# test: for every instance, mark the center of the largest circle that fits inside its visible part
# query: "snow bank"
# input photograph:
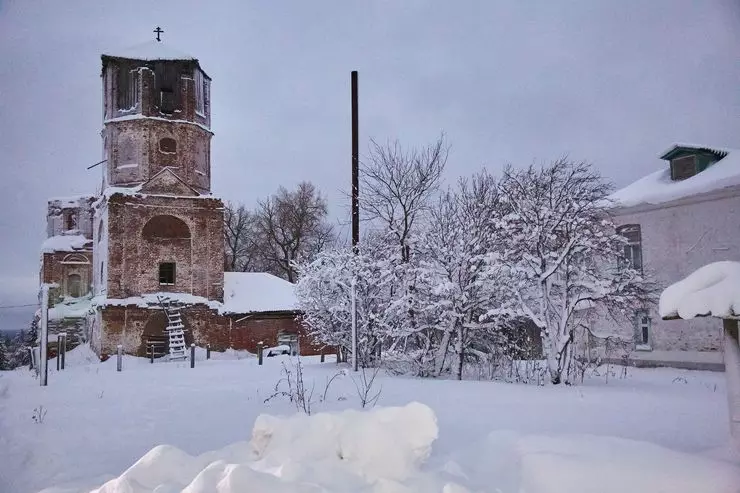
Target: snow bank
(376, 450)
(658, 187)
(382, 451)
(65, 243)
(713, 290)
(509, 462)
(248, 292)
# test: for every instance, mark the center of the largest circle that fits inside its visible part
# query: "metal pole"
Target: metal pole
(151, 355)
(354, 325)
(208, 351)
(43, 363)
(260, 347)
(64, 349)
(192, 355)
(731, 352)
(59, 351)
(119, 357)
(355, 165)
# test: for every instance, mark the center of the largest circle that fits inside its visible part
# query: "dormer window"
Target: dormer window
(688, 160)
(683, 167)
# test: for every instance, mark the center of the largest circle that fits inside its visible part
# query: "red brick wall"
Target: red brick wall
(133, 261)
(140, 138)
(53, 270)
(125, 326)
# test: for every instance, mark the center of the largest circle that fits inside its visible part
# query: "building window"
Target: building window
(74, 285)
(168, 145)
(633, 247)
(200, 92)
(128, 88)
(167, 273)
(70, 221)
(683, 167)
(642, 330)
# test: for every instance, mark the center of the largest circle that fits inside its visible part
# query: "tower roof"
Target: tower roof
(150, 50)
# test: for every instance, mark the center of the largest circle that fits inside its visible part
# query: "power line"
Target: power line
(17, 306)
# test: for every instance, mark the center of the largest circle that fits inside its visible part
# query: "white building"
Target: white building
(676, 220)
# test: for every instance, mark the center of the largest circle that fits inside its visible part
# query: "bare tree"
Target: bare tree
(291, 225)
(240, 237)
(397, 185)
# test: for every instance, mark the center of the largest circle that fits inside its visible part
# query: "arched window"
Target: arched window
(70, 220)
(74, 285)
(168, 227)
(100, 231)
(168, 145)
(75, 258)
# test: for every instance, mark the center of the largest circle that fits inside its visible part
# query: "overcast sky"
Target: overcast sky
(508, 82)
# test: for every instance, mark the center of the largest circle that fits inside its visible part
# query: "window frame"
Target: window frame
(199, 80)
(643, 329)
(162, 275)
(127, 98)
(674, 163)
(77, 281)
(632, 246)
(163, 151)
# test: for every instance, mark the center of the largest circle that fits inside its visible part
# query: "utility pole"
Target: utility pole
(355, 166)
(355, 207)
(43, 362)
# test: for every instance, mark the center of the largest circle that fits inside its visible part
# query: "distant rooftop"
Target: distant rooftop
(658, 187)
(150, 50)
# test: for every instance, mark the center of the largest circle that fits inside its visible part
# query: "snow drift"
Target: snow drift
(712, 290)
(348, 451)
(385, 450)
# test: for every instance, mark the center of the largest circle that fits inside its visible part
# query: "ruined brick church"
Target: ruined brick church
(155, 231)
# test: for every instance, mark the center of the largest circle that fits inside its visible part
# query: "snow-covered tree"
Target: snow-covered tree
(461, 277)
(563, 253)
(324, 292)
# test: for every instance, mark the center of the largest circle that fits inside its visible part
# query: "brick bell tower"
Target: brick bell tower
(157, 228)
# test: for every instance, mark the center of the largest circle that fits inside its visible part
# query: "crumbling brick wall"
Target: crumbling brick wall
(133, 260)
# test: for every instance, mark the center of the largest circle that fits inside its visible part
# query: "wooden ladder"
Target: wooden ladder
(175, 329)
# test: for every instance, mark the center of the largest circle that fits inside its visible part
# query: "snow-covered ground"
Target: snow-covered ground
(656, 430)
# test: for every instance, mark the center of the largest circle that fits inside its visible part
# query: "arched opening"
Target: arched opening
(165, 227)
(75, 258)
(74, 285)
(168, 145)
(155, 333)
(100, 231)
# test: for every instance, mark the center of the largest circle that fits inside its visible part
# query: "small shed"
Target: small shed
(713, 291)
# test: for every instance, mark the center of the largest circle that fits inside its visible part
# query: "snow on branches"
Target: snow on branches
(486, 258)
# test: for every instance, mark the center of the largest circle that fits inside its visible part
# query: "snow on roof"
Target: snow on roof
(244, 292)
(249, 292)
(71, 201)
(657, 188)
(65, 243)
(699, 147)
(108, 192)
(150, 50)
(152, 299)
(712, 290)
(70, 308)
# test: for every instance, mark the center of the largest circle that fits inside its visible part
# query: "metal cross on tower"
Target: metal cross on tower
(158, 31)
